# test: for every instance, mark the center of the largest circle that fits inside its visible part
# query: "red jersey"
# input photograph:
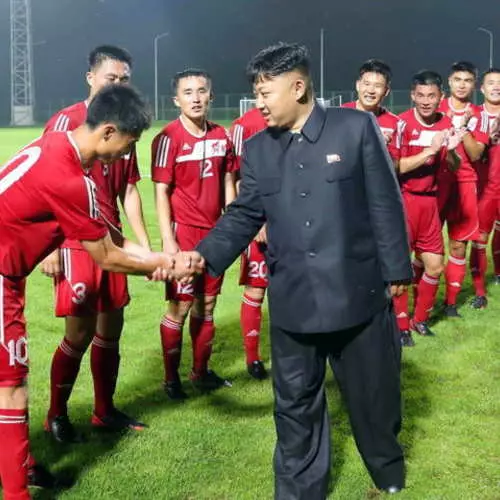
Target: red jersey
(245, 127)
(111, 179)
(491, 160)
(195, 168)
(414, 137)
(477, 126)
(389, 125)
(45, 196)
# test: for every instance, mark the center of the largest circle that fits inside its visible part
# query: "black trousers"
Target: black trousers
(366, 361)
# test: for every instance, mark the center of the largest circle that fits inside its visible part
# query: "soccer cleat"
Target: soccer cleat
(451, 311)
(407, 339)
(479, 302)
(257, 370)
(496, 279)
(208, 382)
(40, 477)
(175, 391)
(422, 328)
(117, 421)
(62, 430)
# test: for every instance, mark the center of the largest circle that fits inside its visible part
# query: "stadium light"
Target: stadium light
(490, 34)
(156, 40)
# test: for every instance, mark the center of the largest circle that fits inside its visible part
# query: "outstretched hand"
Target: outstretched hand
(183, 267)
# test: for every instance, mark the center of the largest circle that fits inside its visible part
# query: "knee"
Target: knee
(434, 269)
(14, 398)
(458, 249)
(204, 306)
(177, 311)
(255, 293)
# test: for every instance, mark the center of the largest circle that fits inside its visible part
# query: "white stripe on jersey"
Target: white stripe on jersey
(238, 139)
(399, 135)
(484, 122)
(162, 152)
(91, 192)
(2, 332)
(62, 123)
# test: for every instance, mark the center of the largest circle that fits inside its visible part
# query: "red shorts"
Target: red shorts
(84, 289)
(424, 225)
(458, 206)
(253, 269)
(13, 336)
(489, 212)
(187, 238)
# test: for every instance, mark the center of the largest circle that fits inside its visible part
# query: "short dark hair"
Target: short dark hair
(489, 72)
(427, 77)
(376, 66)
(189, 72)
(121, 105)
(103, 52)
(466, 66)
(278, 59)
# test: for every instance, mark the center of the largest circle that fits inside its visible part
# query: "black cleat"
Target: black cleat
(407, 339)
(496, 279)
(208, 382)
(479, 302)
(175, 391)
(422, 328)
(117, 421)
(451, 311)
(62, 430)
(257, 370)
(40, 477)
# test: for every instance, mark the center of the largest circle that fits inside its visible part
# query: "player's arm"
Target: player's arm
(410, 163)
(453, 139)
(164, 213)
(475, 136)
(132, 206)
(51, 265)
(229, 187)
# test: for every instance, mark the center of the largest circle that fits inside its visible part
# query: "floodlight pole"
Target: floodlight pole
(322, 62)
(490, 34)
(156, 40)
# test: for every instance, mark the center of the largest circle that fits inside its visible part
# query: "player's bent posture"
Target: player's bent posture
(45, 197)
(193, 171)
(457, 191)
(428, 143)
(373, 86)
(92, 300)
(489, 188)
(253, 273)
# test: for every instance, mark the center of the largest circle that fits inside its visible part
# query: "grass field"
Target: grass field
(220, 447)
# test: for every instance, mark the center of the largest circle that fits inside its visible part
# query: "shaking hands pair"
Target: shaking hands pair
(182, 266)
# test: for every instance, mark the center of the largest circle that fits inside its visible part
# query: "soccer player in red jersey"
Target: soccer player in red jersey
(457, 191)
(253, 274)
(92, 300)
(489, 187)
(46, 196)
(193, 171)
(427, 143)
(372, 87)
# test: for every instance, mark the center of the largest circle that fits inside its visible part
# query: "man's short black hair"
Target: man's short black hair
(466, 66)
(376, 66)
(489, 71)
(121, 105)
(174, 84)
(278, 59)
(427, 77)
(103, 52)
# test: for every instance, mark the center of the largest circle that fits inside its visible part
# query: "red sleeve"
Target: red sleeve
(132, 174)
(402, 139)
(163, 154)
(75, 206)
(60, 122)
(232, 162)
(479, 128)
(394, 145)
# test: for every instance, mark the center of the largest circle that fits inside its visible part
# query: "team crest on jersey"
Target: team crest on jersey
(414, 132)
(186, 147)
(218, 148)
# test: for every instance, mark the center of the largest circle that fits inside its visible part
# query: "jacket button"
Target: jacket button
(312, 254)
(308, 223)
(303, 194)
(300, 166)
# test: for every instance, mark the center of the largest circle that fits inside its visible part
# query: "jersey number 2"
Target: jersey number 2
(206, 169)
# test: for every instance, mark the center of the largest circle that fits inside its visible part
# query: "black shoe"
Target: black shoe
(117, 421)
(392, 490)
(62, 430)
(496, 279)
(40, 477)
(479, 302)
(407, 339)
(257, 370)
(208, 382)
(422, 328)
(451, 311)
(175, 391)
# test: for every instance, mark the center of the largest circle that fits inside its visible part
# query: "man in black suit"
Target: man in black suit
(324, 184)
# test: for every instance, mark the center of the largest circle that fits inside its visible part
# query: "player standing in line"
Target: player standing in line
(372, 87)
(489, 199)
(457, 191)
(46, 196)
(92, 300)
(427, 143)
(193, 171)
(253, 275)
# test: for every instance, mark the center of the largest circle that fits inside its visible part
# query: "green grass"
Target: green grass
(220, 447)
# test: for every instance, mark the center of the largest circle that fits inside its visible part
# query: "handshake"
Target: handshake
(182, 266)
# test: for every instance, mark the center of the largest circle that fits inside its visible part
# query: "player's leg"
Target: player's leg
(495, 251)
(455, 271)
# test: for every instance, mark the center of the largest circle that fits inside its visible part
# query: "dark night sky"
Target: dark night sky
(221, 35)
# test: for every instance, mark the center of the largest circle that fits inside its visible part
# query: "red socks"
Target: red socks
(202, 330)
(401, 311)
(455, 275)
(495, 248)
(250, 319)
(104, 363)
(478, 267)
(427, 291)
(65, 367)
(171, 341)
(14, 454)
